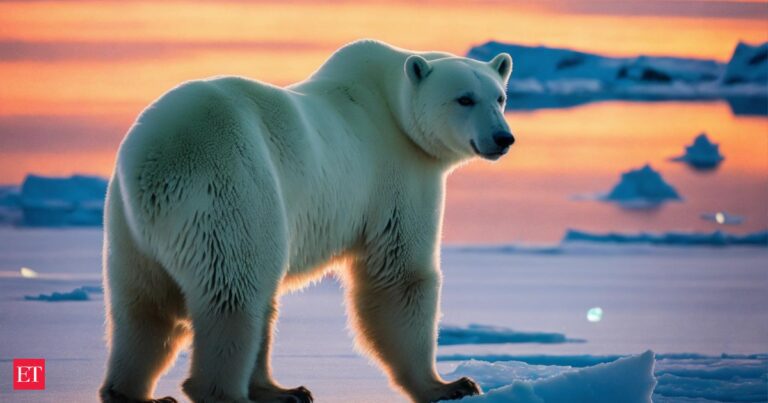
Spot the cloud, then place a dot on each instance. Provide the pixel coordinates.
(60, 133)
(667, 8)
(47, 51)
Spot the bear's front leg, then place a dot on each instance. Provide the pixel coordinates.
(262, 387)
(394, 310)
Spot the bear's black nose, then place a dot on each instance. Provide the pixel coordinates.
(503, 139)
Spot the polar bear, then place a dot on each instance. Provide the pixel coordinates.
(228, 192)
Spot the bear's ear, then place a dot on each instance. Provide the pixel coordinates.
(502, 63)
(417, 68)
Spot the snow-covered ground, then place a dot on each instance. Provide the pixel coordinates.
(689, 305)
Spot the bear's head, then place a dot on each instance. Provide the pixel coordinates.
(454, 106)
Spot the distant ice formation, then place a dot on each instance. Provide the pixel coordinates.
(628, 380)
(78, 294)
(748, 65)
(9, 204)
(54, 202)
(641, 188)
(716, 238)
(702, 154)
(483, 334)
(9, 196)
(546, 77)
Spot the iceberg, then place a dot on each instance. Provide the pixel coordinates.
(702, 154)
(9, 196)
(641, 188)
(546, 65)
(57, 202)
(749, 64)
(546, 77)
(716, 238)
(78, 294)
(628, 379)
(484, 334)
(9, 205)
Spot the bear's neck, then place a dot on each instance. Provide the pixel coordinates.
(378, 67)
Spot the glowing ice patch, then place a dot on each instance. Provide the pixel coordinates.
(720, 218)
(26, 272)
(595, 314)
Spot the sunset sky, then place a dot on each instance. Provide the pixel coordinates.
(74, 74)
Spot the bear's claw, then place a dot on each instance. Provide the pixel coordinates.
(459, 389)
(277, 394)
(304, 395)
(300, 395)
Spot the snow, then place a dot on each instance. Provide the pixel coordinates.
(556, 77)
(702, 300)
(628, 379)
(485, 334)
(679, 377)
(702, 154)
(72, 201)
(716, 238)
(641, 188)
(713, 378)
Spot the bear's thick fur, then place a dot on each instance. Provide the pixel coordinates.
(228, 191)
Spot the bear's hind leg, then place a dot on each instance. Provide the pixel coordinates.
(142, 350)
(232, 262)
(224, 352)
(229, 313)
(145, 315)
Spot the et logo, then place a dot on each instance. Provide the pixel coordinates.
(28, 374)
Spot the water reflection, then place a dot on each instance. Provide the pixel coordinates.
(739, 106)
(565, 152)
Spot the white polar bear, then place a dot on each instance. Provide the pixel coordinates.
(229, 191)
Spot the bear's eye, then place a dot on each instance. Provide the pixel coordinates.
(465, 101)
(501, 100)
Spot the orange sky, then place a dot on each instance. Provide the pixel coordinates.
(86, 68)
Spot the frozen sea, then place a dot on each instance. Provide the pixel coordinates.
(702, 310)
